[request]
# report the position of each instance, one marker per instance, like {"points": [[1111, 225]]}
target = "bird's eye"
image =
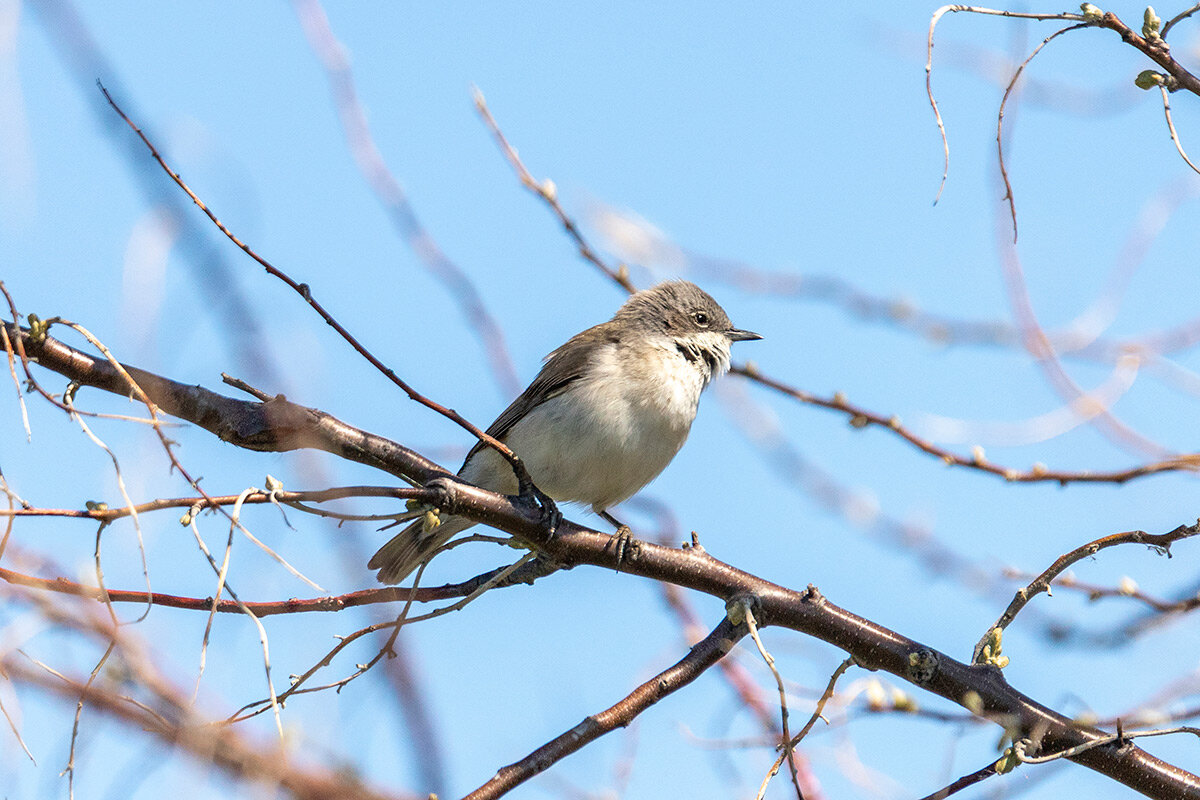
{"points": [[701, 318]]}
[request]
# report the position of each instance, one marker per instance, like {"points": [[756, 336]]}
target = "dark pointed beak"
{"points": [[736, 335]]}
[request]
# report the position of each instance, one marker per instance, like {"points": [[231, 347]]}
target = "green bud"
{"points": [[1151, 24], [1091, 13], [1148, 79], [37, 328], [1008, 762]]}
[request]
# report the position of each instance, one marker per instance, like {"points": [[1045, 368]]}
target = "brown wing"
{"points": [[562, 368]]}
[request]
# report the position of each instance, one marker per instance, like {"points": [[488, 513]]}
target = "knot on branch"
{"points": [[922, 665], [813, 595], [446, 489], [736, 608]]}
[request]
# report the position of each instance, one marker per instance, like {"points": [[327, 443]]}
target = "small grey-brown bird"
{"points": [[606, 414]]}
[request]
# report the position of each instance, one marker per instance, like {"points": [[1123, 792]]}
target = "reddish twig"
{"points": [[548, 192]]}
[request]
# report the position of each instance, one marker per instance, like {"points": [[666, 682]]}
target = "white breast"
{"points": [[612, 432]]}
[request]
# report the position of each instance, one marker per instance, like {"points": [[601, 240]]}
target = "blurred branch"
{"points": [[221, 746], [305, 292], [332, 56], [234, 317], [858, 417]]}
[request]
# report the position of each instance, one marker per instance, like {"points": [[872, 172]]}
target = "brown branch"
{"points": [[275, 426], [1156, 49], [221, 746], [872, 646], [863, 418], [1161, 541], [703, 655]]}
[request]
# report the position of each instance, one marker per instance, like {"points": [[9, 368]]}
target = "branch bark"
{"points": [[217, 745], [281, 425]]}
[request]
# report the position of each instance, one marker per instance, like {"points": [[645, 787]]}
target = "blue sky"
{"points": [[792, 140]]}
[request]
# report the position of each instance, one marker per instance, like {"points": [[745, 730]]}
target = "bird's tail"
{"points": [[405, 551]]}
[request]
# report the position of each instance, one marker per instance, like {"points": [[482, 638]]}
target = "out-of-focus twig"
{"points": [[859, 417], [332, 56], [303, 290]]}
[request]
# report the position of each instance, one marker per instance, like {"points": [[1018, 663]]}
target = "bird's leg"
{"points": [[622, 540], [550, 515]]}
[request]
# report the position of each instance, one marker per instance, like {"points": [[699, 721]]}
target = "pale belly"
{"points": [[600, 442]]}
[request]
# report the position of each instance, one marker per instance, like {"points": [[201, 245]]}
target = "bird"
{"points": [[606, 414]]}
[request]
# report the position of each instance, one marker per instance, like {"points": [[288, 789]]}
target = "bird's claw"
{"points": [[626, 545], [548, 514]]}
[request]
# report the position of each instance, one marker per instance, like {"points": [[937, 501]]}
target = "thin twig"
{"points": [[747, 613], [1008, 90], [825, 697], [1171, 127], [391, 195], [1041, 583], [548, 192], [305, 292], [933, 21], [702, 656], [964, 782]]}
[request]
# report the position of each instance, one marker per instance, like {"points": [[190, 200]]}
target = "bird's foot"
{"points": [[627, 547], [548, 514]]}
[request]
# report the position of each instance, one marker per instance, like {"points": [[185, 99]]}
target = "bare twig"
{"points": [[1041, 583], [702, 656], [933, 21], [548, 192], [1166, 98], [332, 55], [745, 613], [305, 292], [825, 697], [1008, 91], [962, 783]]}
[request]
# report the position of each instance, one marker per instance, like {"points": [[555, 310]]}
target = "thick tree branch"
{"points": [[280, 425], [277, 425]]}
